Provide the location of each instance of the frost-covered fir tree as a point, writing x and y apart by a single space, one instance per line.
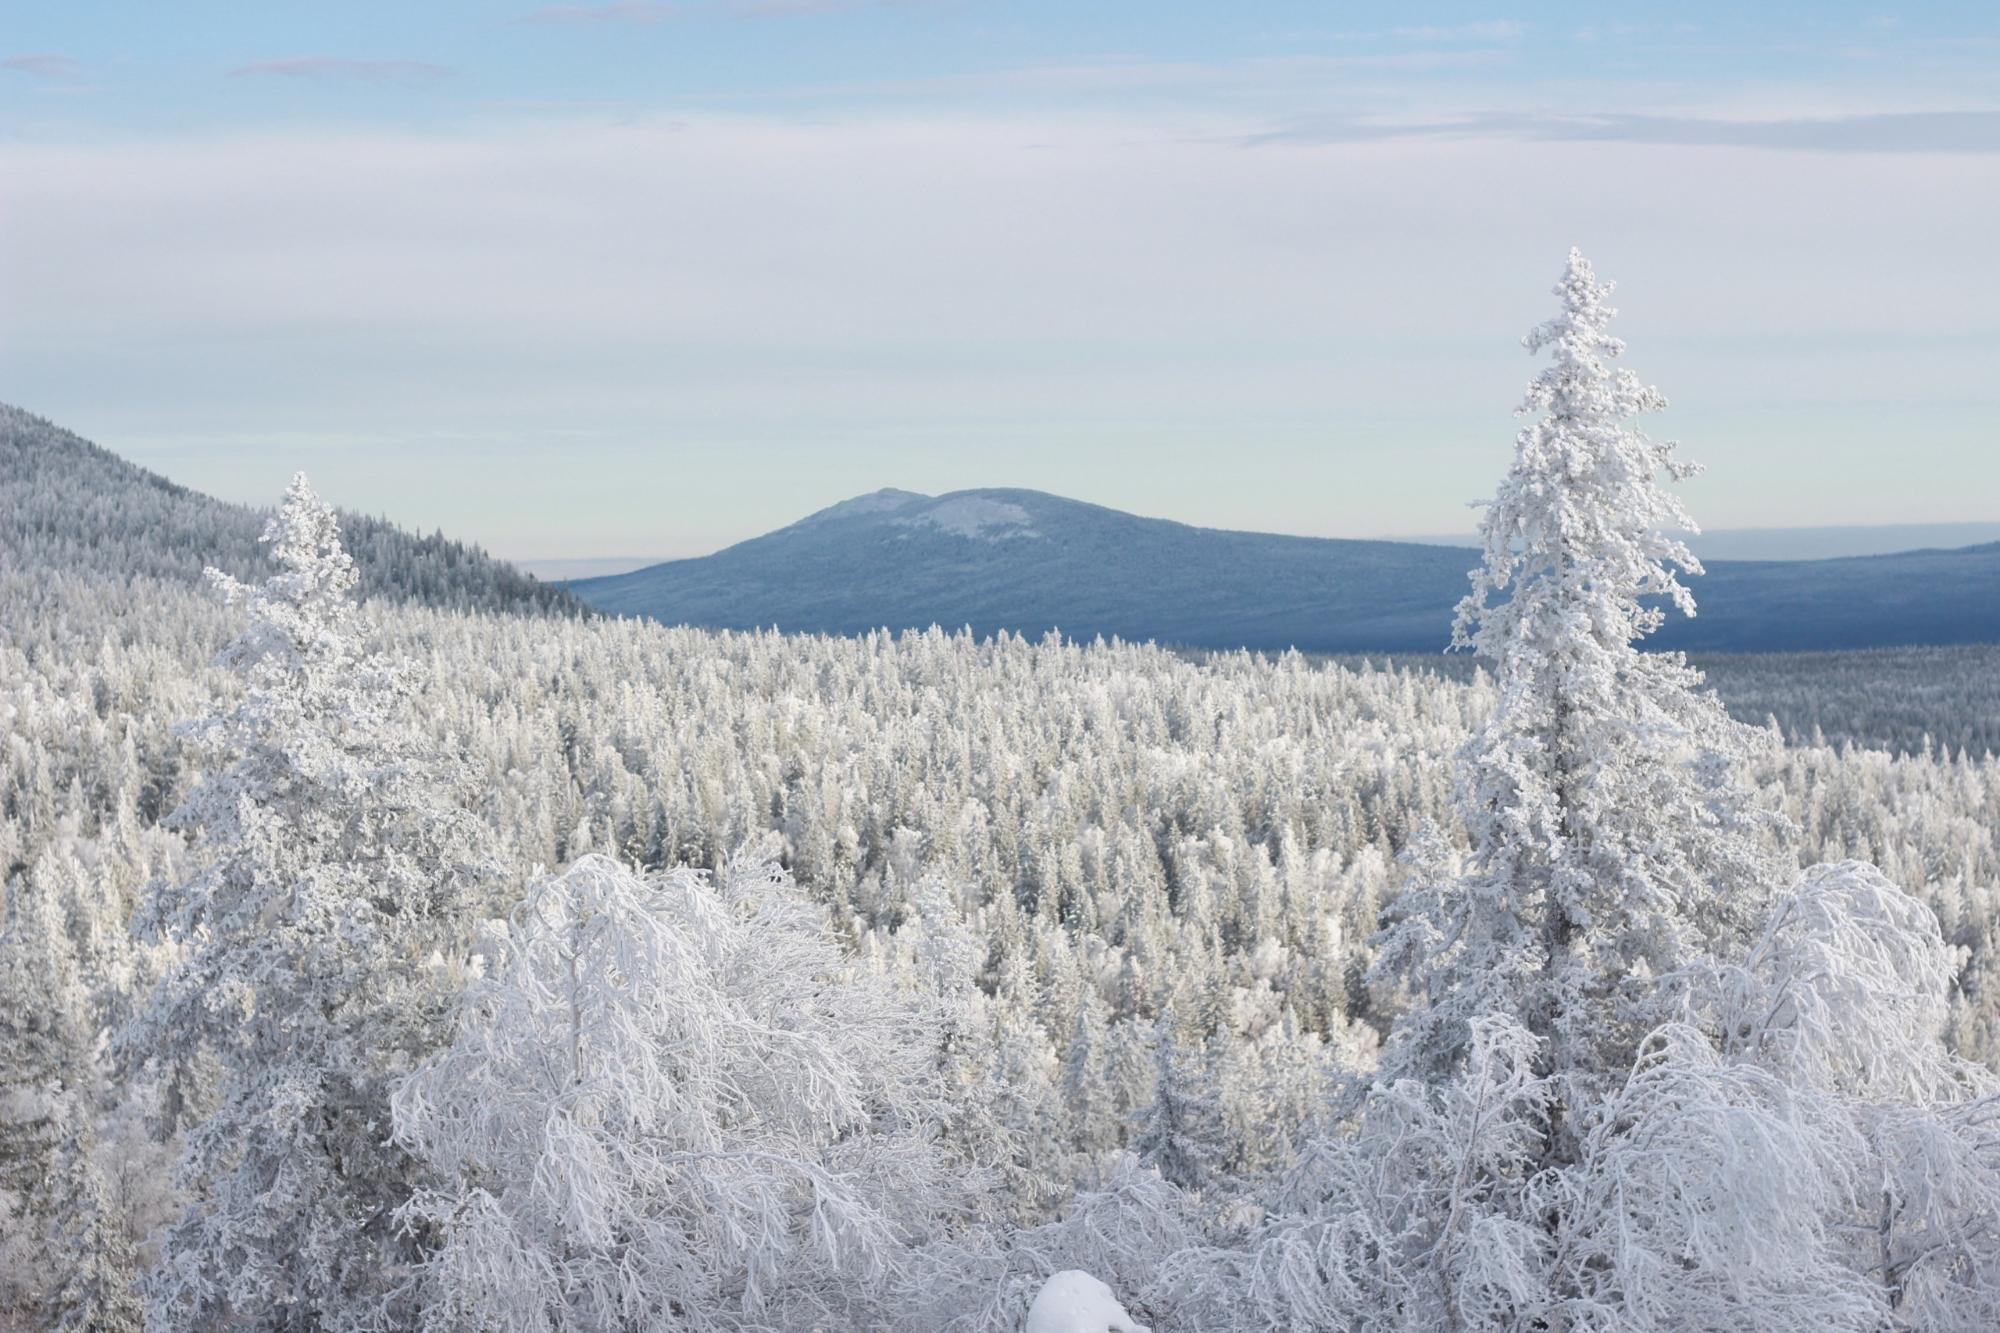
1086 1084
1181 1133
1614 1102
943 968
1613 839
674 1104
92 1249
66 1260
44 1088
335 879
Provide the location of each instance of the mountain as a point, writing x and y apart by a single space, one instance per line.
72 506
1028 562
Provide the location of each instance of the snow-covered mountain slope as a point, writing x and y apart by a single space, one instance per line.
68 505
1028 562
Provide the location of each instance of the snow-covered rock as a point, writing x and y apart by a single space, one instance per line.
974 516
1073 1301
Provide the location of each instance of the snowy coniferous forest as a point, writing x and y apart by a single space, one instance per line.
445 960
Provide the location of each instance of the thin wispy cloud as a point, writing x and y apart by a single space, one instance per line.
791 8
1110 76
648 12
629 11
1495 30
44 65
1891 132
1904 132
339 67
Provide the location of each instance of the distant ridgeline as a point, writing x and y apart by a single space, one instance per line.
1016 560
67 504
1027 562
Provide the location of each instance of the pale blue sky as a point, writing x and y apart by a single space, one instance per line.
648 278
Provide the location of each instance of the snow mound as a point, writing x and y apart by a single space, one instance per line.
974 516
1075 1302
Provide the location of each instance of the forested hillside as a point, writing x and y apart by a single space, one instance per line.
74 507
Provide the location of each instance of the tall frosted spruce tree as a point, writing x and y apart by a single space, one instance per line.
1613 841
1638 1085
336 877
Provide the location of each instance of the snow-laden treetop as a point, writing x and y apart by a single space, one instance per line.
1583 503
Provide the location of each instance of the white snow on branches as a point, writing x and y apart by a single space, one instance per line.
672 1100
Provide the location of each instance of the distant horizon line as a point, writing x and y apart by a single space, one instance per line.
1802 537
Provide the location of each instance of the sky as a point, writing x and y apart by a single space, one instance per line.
644 279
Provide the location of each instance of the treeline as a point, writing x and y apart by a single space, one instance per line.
1909 700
